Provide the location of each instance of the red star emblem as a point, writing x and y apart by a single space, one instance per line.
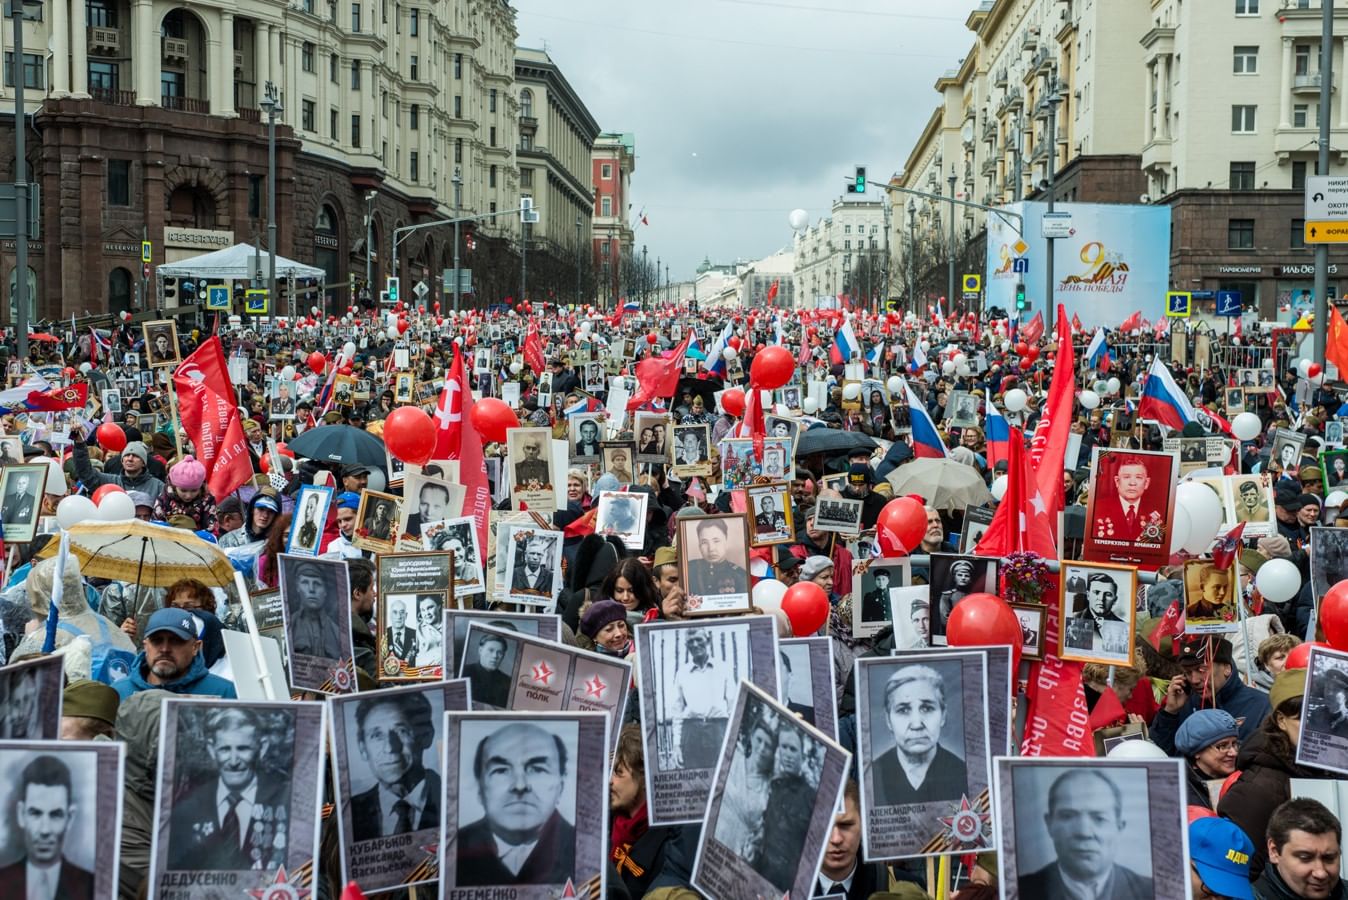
965 823
595 687
280 889
542 673
568 891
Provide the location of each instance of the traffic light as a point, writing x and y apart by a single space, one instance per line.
1021 302
859 187
170 292
469 239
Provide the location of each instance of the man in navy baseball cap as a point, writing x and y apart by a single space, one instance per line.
1219 859
171 660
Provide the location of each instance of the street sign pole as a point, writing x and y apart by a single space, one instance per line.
1322 250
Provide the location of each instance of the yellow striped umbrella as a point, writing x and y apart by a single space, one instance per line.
141 553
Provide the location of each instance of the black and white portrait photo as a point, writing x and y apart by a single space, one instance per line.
1118 828
594 377
910 611
240 789
377 522
714 554
1032 617
546 626
414 591
386 746
689 674
806 677
1328 559
585 431
311 514
317 609
691 454
534 564
426 500
976 522
63 797
770 518
954 577
11 451
531 476
112 401
30 699
782 428
528 807
161 343
1097 612
1287 449
838 514
616 458
1324 712
21 501
871 598
776 790
459 536
1334 433
922 726
623 515
790 396
962 409
654 444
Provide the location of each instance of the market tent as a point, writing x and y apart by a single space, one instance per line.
238 262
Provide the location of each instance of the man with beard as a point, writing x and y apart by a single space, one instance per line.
393 734
236 818
171 660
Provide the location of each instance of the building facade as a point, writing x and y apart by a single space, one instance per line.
147 123
614 162
842 255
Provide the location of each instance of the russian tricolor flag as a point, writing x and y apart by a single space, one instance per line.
1097 354
845 345
716 355
919 361
997 433
1163 401
927 441
873 355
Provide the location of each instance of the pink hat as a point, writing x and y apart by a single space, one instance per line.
188 474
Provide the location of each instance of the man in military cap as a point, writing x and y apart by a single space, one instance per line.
88 710
310 602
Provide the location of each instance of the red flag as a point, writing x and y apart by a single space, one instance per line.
659 377
533 351
1171 625
1076 324
210 416
72 396
1048 449
1021 522
1033 330
352 892
1336 344
456 438
584 525
1056 706
1227 546
1240 327
1132 323
772 291
1108 711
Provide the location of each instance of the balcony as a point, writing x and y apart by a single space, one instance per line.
185 104
989 130
1000 78
113 97
1308 84
174 48
989 166
106 41
1157 154
1013 99
1030 39
529 122
1044 61
249 113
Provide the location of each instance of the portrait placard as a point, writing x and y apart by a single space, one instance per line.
951 578
623 515
511 670
1138 843
531 476
69 797
1098 612
1251 502
692 457
585 432
1210 597
30 699
426 499
1131 503
840 515
806 669
281 398
1328 559
1288 447
654 445
871 594
534 566
910 612
459 537
386 743
689 672
1033 618
311 514
1324 711
316 608
161 343
1001 690
714 563
21 490
11 451
377 522
977 519
268 754
931 707
961 409
562 835
415 589
616 458
769 510
765 834
546 626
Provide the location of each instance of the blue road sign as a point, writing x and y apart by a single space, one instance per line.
1228 303
1020 264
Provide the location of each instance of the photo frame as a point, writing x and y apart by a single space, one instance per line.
623 515
426 500
839 515
310 517
714 563
585 433
1098 612
316 611
692 454
21 490
161 343
654 444
1324 711
533 566
806 671
1033 619
618 459
1210 598
1108 738
33 699
459 537
1128 515
951 577
377 521
415 591
768 507
871 594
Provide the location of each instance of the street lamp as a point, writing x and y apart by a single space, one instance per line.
580 255
912 251
457 181
950 264
271 105
369 246
1049 105
16 10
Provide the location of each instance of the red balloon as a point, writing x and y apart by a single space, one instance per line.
981 619
1333 616
772 368
1299 658
1026 362
104 490
806 607
285 451
652 338
410 434
493 418
345 369
111 437
317 362
1022 348
1034 353
403 325
732 401
1313 370
901 526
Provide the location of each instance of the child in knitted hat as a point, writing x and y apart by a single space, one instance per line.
186 495
605 623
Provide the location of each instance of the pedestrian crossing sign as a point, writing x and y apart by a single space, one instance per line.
1178 304
218 297
255 301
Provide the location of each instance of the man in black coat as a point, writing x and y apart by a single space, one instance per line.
487 684
401 638
787 814
523 838
393 734
46 807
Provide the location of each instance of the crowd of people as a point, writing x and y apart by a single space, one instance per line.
1227 705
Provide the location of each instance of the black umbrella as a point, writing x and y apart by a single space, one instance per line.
341 444
822 439
705 388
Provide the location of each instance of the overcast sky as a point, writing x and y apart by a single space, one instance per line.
746 109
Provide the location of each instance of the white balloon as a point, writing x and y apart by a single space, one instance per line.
1102 387
1303 367
1006 345
1113 385
117 507
798 219
1278 580
809 405
377 480
313 310
1136 748
75 509
1179 529
963 370
1246 426
1088 399
768 595
1015 400
349 349
86 368
948 367
895 384
1205 512
851 391
925 345
998 488
516 368
960 359
729 353
586 326
288 373
1335 500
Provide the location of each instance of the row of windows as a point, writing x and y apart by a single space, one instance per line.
1240 234
1304 115
861 229
1245 60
